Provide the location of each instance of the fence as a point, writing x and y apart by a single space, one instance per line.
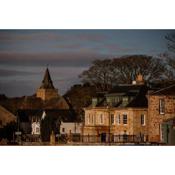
106 139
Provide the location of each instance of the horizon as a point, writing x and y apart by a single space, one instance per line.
24 54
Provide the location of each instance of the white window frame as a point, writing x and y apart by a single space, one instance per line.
37 130
126 118
92 119
161 106
161 133
142 115
63 130
88 118
112 123
118 119
101 119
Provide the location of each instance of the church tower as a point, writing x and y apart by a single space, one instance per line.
47 90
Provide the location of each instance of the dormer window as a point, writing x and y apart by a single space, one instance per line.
94 102
125 99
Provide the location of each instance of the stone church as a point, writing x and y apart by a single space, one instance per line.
47 90
47 102
47 96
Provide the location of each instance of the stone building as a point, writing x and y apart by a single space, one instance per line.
37 125
161 111
121 115
47 91
42 114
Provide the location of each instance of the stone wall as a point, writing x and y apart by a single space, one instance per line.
155 118
47 94
133 126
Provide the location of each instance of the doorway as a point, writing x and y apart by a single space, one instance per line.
103 137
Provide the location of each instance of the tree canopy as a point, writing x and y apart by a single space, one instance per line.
170 38
80 96
104 74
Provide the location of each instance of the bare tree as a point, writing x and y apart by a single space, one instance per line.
104 74
170 38
170 41
98 74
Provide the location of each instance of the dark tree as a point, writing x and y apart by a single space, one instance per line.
104 74
170 38
48 125
80 96
7 132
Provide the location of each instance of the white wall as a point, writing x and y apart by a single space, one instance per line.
74 128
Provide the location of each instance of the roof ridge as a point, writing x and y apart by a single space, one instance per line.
162 89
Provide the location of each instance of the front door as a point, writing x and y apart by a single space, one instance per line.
103 137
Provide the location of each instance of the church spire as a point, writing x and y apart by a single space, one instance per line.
47 82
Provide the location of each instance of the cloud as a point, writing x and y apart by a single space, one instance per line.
63 78
7 73
115 47
25 35
82 57
59 35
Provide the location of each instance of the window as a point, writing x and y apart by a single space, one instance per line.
125 119
88 119
118 119
101 118
112 119
92 119
162 106
63 129
142 119
37 130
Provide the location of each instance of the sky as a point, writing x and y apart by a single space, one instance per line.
24 54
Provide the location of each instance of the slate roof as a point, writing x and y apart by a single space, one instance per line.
140 99
135 93
47 81
170 90
24 114
126 89
63 114
6 116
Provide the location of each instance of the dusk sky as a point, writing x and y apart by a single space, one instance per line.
24 54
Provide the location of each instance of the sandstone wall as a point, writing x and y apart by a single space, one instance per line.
155 118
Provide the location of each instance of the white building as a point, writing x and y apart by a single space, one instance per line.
70 128
35 128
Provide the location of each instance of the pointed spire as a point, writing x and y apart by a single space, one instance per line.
47 82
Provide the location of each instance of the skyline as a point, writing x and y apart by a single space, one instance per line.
24 54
